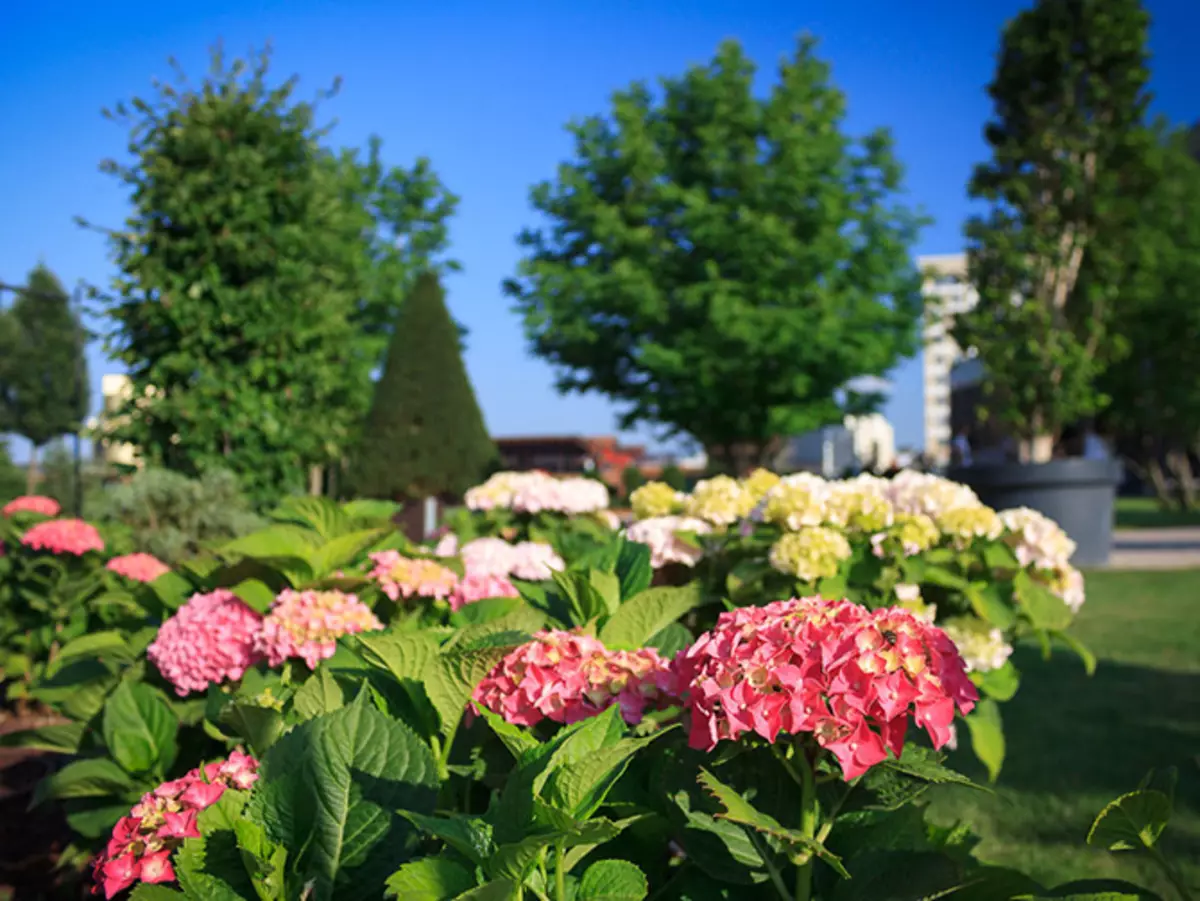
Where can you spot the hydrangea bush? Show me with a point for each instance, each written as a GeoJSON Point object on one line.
{"type": "Point", "coordinates": [324, 710]}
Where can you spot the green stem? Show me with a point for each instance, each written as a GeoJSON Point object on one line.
{"type": "Point", "coordinates": [810, 815]}
{"type": "Point", "coordinates": [560, 876]}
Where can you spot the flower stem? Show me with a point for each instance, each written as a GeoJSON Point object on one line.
{"type": "Point", "coordinates": [810, 814]}
{"type": "Point", "coordinates": [560, 876]}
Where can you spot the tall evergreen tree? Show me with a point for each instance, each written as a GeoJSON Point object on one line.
{"type": "Point", "coordinates": [44, 378]}
{"type": "Point", "coordinates": [425, 435]}
{"type": "Point", "coordinates": [1069, 169]}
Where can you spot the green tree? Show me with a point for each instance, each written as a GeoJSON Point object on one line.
{"type": "Point", "coordinates": [405, 217]}
{"type": "Point", "coordinates": [424, 436]}
{"type": "Point", "coordinates": [1155, 407]}
{"type": "Point", "coordinates": [631, 479]}
{"type": "Point", "coordinates": [721, 264]}
{"type": "Point", "coordinates": [239, 277]}
{"type": "Point", "coordinates": [673, 476]}
{"type": "Point", "coordinates": [12, 481]}
{"type": "Point", "coordinates": [1069, 164]}
{"type": "Point", "coordinates": [44, 377]}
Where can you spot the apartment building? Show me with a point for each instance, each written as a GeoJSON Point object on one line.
{"type": "Point", "coordinates": [946, 294]}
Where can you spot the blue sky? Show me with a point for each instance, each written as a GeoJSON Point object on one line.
{"type": "Point", "coordinates": [484, 90]}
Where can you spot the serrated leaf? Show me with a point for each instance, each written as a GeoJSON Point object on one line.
{"type": "Point", "coordinates": [496, 890]}
{"type": "Point", "coordinates": [329, 791]}
{"type": "Point", "coordinates": [452, 680]}
{"type": "Point", "coordinates": [739, 810]}
{"type": "Point", "coordinates": [987, 736]}
{"type": "Point", "coordinates": [469, 836]}
{"type": "Point", "coordinates": [210, 868]}
{"type": "Point", "coordinates": [484, 611]}
{"type": "Point", "coordinates": [429, 879]}
{"type": "Point", "coordinates": [139, 729]}
{"type": "Point", "coordinates": [60, 738]}
{"type": "Point", "coordinates": [517, 740]}
{"type": "Point", "coordinates": [320, 514]}
{"type": "Point", "coordinates": [648, 613]}
{"type": "Point", "coordinates": [1081, 651]}
{"type": "Point", "coordinates": [106, 645]}
{"type": "Point", "coordinates": [149, 891]}
{"type": "Point", "coordinates": [319, 694]}
{"type": "Point", "coordinates": [1133, 821]}
{"type": "Point", "coordinates": [579, 785]}
{"type": "Point", "coordinates": [988, 601]}
{"type": "Point", "coordinates": [633, 568]}
{"type": "Point", "coordinates": [612, 880]}
{"type": "Point", "coordinates": [338, 553]}
{"type": "Point", "coordinates": [671, 640]}
{"type": "Point", "coordinates": [1000, 684]}
{"type": "Point", "coordinates": [926, 766]}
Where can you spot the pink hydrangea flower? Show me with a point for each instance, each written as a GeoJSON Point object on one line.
{"type": "Point", "coordinates": [139, 567]}
{"type": "Point", "coordinates": [32, 503]}
{"type": "Point", "coordinates": [210, 639]}
{"type": "Point", "coordinates": [660, 534]}
{"type": "Point", "coordinates": [566, 677]}
{"type": "Point", "coordinates": [307, 624]}
{"type": "Point", "coordinates": [63, 536]}
{"type": "Point", "coordinates": [534, 561]}
{"type": "Point", "coordinates": [401, 576]}
{"type": "Point", "coordinates": [142, 842]}
{"type": "Point", "coordinates": [849, 676]}
{"type": "Point", "coordinates": [487, 557]}
{"type": "Point", "coordinates": [479, 586]}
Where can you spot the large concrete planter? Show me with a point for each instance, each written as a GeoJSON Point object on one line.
{"type": "Point", "coordinates": [1076, 493]}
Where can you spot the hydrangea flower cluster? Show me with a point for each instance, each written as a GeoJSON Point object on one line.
{"type": "Point", "coordinates": [63, 536]}
{"type": "Point", "coordinates": [566, 677]}
{"type": "Point", "coordinates": [759, 482]}
{"type": "Point", "coordinates": [661, 535]}
{"type": "Point", "coordinates": [858, 508]}
{"type": "Point", "coordinates": [849, 676]}
{"type": "Point", "coordinates": [796, 502]}
{"type": "Point", "coordinates": [138, 567]}
{"type": "Point", "coordinates": [307, 624]}
{"type": "Point", "coordinates": [1036, 540]}
{"type": "Point", "coordinates": [532, 561]}
{"type": "Point", "coordinates": [965, 524]}
{"type": "Point", "coordinates": [922, 492]}
{"type": "Point", "coordinates": [478, 586]}
{"type": "Point", "coordinates": [812, 553]}
{"type": "Point", "coordinates": [210, 639]}
{"type": "Point", "coordinates": [142, 842]}
{"type": "Point", "coordinates": [399, 576]}
{"type": "Point", "coordinates": [982, 649]}
{"type": "Point", "coordinates": [537, 492]}
{"type": "Point", "coordinates": [909, 596]}
{"type": "Point", "coordinates": [32, 503]}
{"type": "Point", "coordinates": [720, 500]}
{"type": "Point", "coordinates": [655, 499]}
{"type": "Point", "coordinates": [910, 534]}
{"type": "Point", "coordinates": [1067, 583]}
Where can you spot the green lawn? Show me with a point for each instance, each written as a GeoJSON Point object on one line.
{"type": "Point", "coordinates": [1075, 743]}
{"type": "Point", "coordinates": [1145, 513]}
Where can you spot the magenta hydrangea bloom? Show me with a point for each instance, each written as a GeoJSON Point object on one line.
{"type": "Point", "coordinates": [138, 567]}
{"type": "Point", "coordinates": [307, 624]}
{"type": "Point", "coordinates": [142, 842]}
{"type": "Point", "coordinates": [63, 536]}
{"type": "Point", "coordinates": [567, 677]}
{"type": "Point", "coordinates": [211, 639]}
{"type": "Point", "coordinates": [32, 503]}
{"type": "Point", "coordinates": [849, 676]}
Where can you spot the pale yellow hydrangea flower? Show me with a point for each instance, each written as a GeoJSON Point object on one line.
{"type": "Point", "coordinates": [797, 501]}
{"type": "Point", "coordinates": [965, 524]}
{"type": "Point", "coordinates": [812, 553]}
{"type": "Point", "coordinates": [759, 482]}
{"type": "Point", "coordinates": [655, 499]}
{"type": "Point", "coordinates": [720, 500]}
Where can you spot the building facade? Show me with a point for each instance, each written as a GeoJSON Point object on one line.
{"type": "Point", "coordinates": [947, 293]}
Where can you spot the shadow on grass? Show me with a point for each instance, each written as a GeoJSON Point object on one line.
{"type": "Point", "coordinates": [1145, 513]}
{"type": "Point", "coordinates": [1075, 743]}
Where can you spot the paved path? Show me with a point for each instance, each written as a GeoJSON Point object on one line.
{"type": "Point", "coordinates": [1177, 547]}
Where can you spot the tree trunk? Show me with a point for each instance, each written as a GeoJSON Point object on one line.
{"type": "Point", "coordinates": [315, 480]}
{"type": "Point", "coordinates": [1185, 480]}
{"type": "Point", "coordinates": [1158, 479]}
{"type": "Point", "coordinates": [1038, 449]}
{"type": "Point", "coordinates": [31, 472]}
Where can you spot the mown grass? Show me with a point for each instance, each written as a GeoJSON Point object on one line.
{"type": "Point", "coordinates": [1146, 513]}
{"type": "Point", "coordinates": [1075, 743]}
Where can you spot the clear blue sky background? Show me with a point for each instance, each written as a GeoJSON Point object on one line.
{"type": "Point", "coordinates": [484, 89]}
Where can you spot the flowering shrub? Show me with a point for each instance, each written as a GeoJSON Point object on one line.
{"type": "Point", "coordinates": [211, 639]}
{"type": "Point", "coordinates": [565, 677]}
{"type": "Point", "coordinates": [307, 624]}
{"type": "Point", "coordinates": [848, 676]}
{"type": "Point", "coordinates": [538, 492]}
{"type": "Point", "coordinates": [31, 503]}
{"type": "Point", "coordinates": [142, 843]}
{"type": "Point", "coordinates": [63, 536]}
{"type": "Point", "coordinates": [526, 714]}
{"type": "Point", "coordinates": [138, 567]}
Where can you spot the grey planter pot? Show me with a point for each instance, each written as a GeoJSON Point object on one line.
{"type": "Point", "coordinates": [1076, 493]}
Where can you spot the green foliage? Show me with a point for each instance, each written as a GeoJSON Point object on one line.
{"type": "Point", "coordinates": [43, 380]}
{"type": "Point", "coordinates": [1154, 413]}
{"type": "Point", "coordinates": [1067, 174]}
{"type": "Point", "coordinates": [12, 480]}
{"type": "Point", "coordinates": [672, 475]}
{"type": "Point", "coordinates": [173, 516]}
{"type": "Point", "coordinates": [425, 435]}
{"type": "Point", "coordinates": [632, 479]}
{"type": "Point", "coordinates": [719, 264]}
{"type": "Point", "coordinates": [238, 275]}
